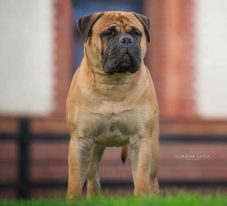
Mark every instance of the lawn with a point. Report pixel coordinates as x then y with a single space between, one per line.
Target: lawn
180 199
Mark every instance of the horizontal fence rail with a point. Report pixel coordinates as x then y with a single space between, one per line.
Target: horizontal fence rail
25 137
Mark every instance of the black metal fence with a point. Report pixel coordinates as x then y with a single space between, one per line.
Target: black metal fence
25 137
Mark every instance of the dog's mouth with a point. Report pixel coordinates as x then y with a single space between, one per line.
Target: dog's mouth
123 66
126 61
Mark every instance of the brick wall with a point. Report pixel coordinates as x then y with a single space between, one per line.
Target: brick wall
170 58
63 65
55 123
171 55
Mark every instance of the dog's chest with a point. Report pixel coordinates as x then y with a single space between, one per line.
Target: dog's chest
110 129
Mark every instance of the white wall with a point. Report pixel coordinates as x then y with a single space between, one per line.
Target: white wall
211 58
26 61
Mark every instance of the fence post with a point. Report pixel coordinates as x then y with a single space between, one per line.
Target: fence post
24 158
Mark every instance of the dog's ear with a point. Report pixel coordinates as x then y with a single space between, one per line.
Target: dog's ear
85 24
146 24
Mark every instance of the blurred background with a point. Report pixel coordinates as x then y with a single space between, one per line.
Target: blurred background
40 49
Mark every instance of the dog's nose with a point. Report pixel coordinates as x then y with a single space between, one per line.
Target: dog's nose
126 40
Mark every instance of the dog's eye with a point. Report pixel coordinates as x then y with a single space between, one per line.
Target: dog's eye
108 33
136 33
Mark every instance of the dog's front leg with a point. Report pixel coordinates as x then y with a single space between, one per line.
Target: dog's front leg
140 154
78 160
93 183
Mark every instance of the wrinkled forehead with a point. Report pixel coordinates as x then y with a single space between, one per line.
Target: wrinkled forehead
122 21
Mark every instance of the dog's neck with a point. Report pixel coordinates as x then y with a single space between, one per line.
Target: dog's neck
101 77
113 86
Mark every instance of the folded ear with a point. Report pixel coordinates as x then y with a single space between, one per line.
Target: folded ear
85 24
146 24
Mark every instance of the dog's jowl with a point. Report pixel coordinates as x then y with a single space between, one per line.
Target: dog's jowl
112 103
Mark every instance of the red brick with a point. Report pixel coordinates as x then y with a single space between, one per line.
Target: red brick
8 162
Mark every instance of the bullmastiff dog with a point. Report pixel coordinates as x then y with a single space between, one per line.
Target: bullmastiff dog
112 103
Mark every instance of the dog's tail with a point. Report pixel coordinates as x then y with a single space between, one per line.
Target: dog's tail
124 153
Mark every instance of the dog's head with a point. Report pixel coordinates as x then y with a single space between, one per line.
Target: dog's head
115 41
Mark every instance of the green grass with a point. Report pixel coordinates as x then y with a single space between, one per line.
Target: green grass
180 199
